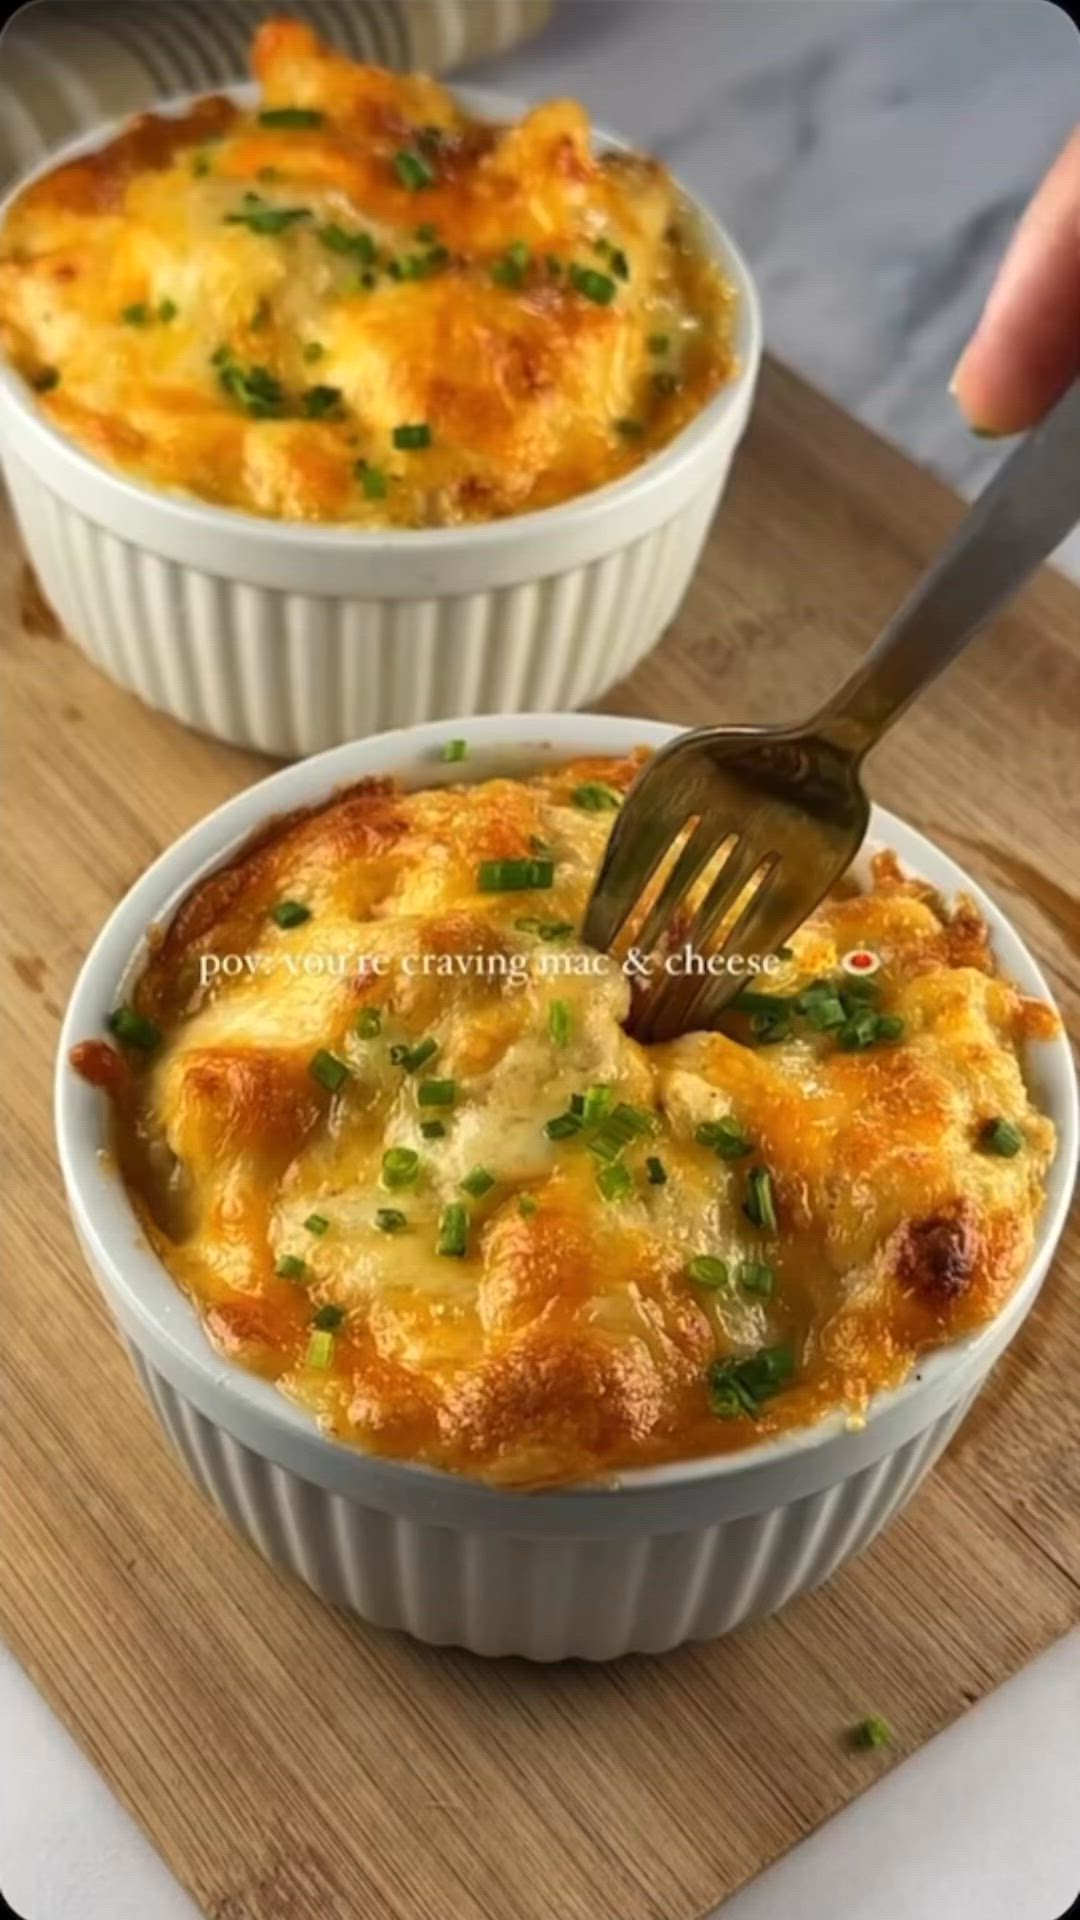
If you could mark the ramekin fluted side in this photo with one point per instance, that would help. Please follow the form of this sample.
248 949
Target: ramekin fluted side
293 672
542 1597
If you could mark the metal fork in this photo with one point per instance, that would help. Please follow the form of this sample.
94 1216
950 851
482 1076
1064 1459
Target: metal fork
789 800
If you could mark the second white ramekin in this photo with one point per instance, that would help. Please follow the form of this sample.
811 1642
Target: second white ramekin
293 638
668 1554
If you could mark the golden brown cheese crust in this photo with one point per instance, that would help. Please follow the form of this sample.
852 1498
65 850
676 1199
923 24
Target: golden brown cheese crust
573 1336
251 312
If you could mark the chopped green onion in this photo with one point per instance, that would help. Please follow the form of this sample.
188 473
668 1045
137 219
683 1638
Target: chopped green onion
408 439
706 1271
328 1070
266 220
291 1267
134 1029
859 1032
749 1001
666 382
255 389
769 1028
725 1137
598 287
137 315
514 876
322 403
328 1318
596 797
615 1181
564 1126
559 1023
511 268
740 1386
527 1205
340 240
630 429
760 1205
655 1171
478 1182
433 1129
413 170
200 165
658 342
369 1023
456 750
596 1104
427 232
46 380
167 311
546 929
756 1276
413 1057
290 913
872 1733
1001 1137
437 1093
785 953
373 480
453 1239
890 1028
320 1349
389 1220
400 1166
317 1223
290 117
313 350
621 1126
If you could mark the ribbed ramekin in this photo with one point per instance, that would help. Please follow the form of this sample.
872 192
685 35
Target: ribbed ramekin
294 638
666 1554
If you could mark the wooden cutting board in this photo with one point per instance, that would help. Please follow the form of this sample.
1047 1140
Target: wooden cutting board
292 1764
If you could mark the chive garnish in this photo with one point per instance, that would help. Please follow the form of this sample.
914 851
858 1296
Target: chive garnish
389 1220
340 240
137 315
410 438
369 1023
453 1239
623 1125
872 1733
200 165
757 1277
514 876
290 913
740 1386
760 1203
372 480
456 750
322 403
413 1057
413 169
859 1032
655 1171
630 429
320 1349
658 342
313 350
546 929
167 311
255 389
615 1181
266 220
318 1224
427 232
290 117
510 269
134 1029
437 1093
598 287
725 1137
433 1129
291 1267
559 1023
596 1104
1001 1137
527 1205
666 382
328 1070
400 1166
563 1126
705 1270
46 380
596 797
478 1182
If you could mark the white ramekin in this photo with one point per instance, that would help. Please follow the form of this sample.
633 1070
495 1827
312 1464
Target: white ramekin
669 1553
295 638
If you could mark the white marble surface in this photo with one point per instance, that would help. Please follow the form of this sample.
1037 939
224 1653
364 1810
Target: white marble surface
871 156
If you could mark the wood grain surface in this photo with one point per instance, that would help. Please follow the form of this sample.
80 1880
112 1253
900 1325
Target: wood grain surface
291 1764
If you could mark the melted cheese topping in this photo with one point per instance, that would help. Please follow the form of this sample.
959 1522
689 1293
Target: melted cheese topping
571 1331
359 304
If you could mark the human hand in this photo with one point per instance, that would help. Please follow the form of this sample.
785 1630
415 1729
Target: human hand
1026 348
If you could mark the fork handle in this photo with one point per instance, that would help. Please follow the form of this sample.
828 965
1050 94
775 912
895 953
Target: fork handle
1017 521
